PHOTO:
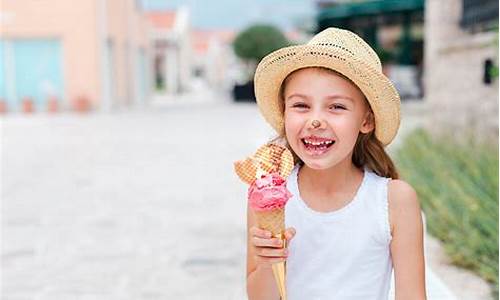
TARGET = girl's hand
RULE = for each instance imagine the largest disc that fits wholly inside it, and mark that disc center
(269, 250)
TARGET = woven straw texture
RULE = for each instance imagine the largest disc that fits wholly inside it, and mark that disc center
(344, 52)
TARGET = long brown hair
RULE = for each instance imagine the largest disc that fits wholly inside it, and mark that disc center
(368, 150)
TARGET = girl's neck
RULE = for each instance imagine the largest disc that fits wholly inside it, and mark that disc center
(338, 179)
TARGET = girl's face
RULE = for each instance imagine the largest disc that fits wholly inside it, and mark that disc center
(339, 108)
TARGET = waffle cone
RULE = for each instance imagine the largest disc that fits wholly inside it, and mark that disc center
(274, 221)
(268, 158)
(275, 158)
(246, 170)
(279, 277)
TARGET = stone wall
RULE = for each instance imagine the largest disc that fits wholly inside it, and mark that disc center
(457, 98)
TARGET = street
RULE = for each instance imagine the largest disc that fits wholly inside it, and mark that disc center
(138, 204)
(135, 205)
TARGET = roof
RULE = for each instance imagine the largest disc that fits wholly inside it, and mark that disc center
(201, 38)
(162, 19)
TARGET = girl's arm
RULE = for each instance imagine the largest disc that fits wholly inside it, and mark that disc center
(407, 249)
(262, 251)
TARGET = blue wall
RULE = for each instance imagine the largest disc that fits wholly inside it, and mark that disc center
(3, 94)
(31, 68)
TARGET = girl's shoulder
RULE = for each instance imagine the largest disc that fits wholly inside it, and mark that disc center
(403, 202)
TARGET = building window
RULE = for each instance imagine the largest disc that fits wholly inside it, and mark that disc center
(479, 15)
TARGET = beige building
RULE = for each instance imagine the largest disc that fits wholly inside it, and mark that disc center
(172, 52)
(95, 50)
(214, 60)
(458, 49)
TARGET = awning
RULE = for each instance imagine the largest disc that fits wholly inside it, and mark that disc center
(341, 11)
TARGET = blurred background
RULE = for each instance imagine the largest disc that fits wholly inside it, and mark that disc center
(120, 121)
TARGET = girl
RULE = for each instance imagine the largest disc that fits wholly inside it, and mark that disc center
(351, 221)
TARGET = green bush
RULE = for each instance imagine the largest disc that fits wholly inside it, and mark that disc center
(494, 69)
(457, 184)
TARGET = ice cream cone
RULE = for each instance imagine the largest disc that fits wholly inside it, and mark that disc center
(274, 221)
(279, 277)
(275, 162)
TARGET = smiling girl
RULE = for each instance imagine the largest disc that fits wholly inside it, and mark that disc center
(351, 221)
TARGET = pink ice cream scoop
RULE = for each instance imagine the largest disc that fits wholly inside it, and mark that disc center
(268, 193)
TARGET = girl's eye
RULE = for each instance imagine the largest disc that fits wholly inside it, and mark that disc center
(304, 105)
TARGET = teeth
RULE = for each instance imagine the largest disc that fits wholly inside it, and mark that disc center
(318, 144)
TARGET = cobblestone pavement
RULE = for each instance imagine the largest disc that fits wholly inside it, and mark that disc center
(139, 204)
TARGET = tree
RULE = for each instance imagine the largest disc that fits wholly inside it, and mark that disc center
(257, 41)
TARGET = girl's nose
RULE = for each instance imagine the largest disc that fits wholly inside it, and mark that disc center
(315, 123)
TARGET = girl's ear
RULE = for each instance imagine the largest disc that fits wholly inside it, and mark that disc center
(368, 123)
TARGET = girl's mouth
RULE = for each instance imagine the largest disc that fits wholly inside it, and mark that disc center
(317, 148)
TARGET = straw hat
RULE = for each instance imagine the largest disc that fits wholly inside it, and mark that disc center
(344, 52)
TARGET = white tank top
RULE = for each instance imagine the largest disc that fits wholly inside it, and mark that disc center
(342, 254)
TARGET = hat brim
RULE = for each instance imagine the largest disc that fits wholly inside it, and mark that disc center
(378, 89)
